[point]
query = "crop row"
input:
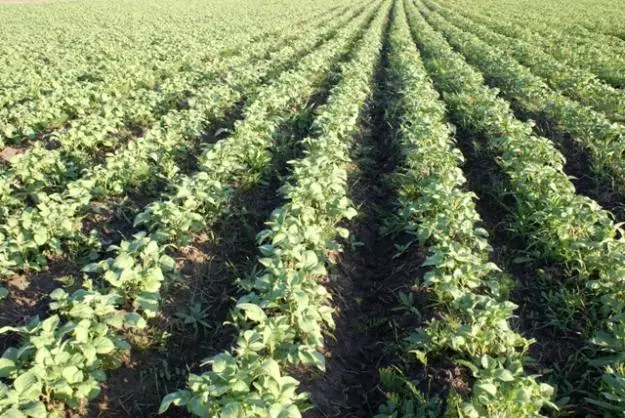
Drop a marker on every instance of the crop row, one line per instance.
(82, 91)
(472, 323)
(579, 85)
(83, 143)
(282, 318)
(557, 224)
(603, 139)
(63, 357)
(568, 25)
(596, 55)
(54, 225)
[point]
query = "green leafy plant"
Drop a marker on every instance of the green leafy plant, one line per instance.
(194, 315)
(282, 318)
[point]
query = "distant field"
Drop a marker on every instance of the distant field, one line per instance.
(24, 1)
(286, 208)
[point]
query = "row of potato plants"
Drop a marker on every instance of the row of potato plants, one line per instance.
(575, 34)
(28, 230)
(42, 170)
(63, 358)
(472, 324)
(557, 224)
(596, 55)
(567, 26)
(108, 47)
(137, 105)
(50, 114)
(578, 84)
(181, 212)
(240, 161)
(54, 225)
(97, 88)
(30, 235)
(282, 318)
(604, 140)
(36, 61)
(548, 33)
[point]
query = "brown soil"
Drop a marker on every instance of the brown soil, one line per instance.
(8, 152)
(28, 295)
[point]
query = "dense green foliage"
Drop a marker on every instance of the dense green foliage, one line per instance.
(132, 133)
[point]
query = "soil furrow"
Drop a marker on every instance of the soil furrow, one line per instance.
(366, 280)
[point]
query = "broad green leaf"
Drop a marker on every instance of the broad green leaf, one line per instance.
(104, 345)
(35, 410)
(24, 381)
(72, 374)
(6, 366)
(124, 261)
(232, 410)
(253, 312)
(177, 398)
(486, 387)
(272, 368)
(504, 375)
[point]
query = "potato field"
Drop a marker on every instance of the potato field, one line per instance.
(306, 208)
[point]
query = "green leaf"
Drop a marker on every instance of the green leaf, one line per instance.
(176, 398)
(13, 413)
(487, 362)
(123, 261)
(40, 236)
(72, 374)
(312, 358)
(8, 131)
(278, 238)
(134, 320)
(290, 411)
(504, 375)
(24, 381)
(82, 331)
(239, 387)
(148, 302)
(220, 362)
(309, 259)
(90, 354)
(104, 345)
(89, 389)
(316, 190)
(6, 367)
(167, 263)
(253, 312)
(92, 268)
(434, 260)
(231, 410)
(35, 410)
(489, 388)
(350, 213)
(272, 368)
(524, 395)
